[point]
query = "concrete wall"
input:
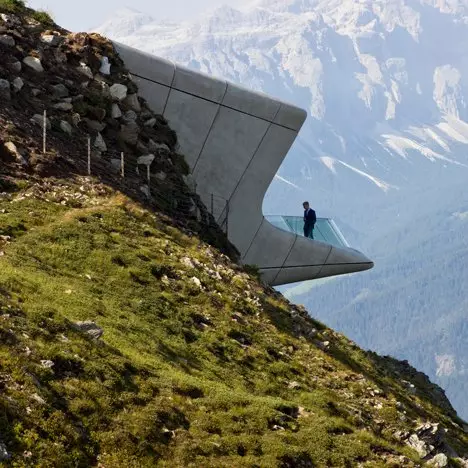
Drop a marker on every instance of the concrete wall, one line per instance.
(234, 141)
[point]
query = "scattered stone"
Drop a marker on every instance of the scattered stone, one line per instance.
(129, 133)
(90, 328)
(38, 399)
(187, 262)
(85, 70)
(162, 176)
(150, 123)
(35, 92)
(18, 84)
(52, 40)
(16, 67)
(294, 385)
(439, 461)
(118, 92)
(105, 66)
(145, 189)
(132, 101)
(13, 150)
(76, 119)
(66, 127)
(5, 89)
(130, 116)
(146, 160)
(64, 106)
(60, 91)
(39, 120)
(100, 144)
(194, 280)
(7, 40)
(94, 125)
(47, 364)
(34, 63)
(4, 455)
(116, 112)
(156, 147)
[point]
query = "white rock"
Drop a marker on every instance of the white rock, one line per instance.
(150, 123)
(187, 262)
(85, 70)
(13, 150)
(118, 92)
(100, 144)
(439, 461)
(34, 63)
(194, 280)
(18, 84)
(52, 39)
(146, 160)
(105, 66)
(116, 112)
(7, 40)
(4, 455)
(47, 364)
(66, 127)
(90, 328)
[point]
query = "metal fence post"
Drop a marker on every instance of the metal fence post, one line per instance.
(44, 132)
(89, 155)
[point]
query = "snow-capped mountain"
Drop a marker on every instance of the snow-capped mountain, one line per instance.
(384, 151)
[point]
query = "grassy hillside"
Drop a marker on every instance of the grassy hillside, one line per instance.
(199, 364)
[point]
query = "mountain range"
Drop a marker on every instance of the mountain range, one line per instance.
(384, 152)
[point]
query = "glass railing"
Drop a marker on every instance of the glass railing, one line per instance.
(325, 228)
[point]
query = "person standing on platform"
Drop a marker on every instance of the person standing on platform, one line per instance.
(309, 220)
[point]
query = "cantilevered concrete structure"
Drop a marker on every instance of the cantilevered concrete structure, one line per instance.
(235, 140)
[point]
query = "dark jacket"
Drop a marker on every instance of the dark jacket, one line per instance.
(310, 217)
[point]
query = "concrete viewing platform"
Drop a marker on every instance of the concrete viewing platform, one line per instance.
(234, 141)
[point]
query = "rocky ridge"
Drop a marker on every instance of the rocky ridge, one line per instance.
(83, 86)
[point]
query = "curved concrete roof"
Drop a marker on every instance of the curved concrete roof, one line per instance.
(234, 141)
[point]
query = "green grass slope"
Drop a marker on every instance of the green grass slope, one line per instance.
(199, 364)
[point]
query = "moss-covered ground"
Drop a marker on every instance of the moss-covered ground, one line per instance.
(199, 364)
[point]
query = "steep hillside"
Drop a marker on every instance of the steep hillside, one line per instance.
(384, 150)
(127, 337)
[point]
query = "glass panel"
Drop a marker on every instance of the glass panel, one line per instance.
(325, 230)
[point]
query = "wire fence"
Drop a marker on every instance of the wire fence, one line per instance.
(166, 190)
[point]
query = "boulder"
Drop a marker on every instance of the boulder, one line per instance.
(7, 40)
(64, 106)
(105, 66)
(85, 70)
(18, 84)
(100, 144)
(4, 455)
(34, 63)
(116, 112)
(14, 151)
(132, 102)
(52, 39)
(130, 116)
(16, 66)
(90, 328)
(60, 91)
(150, 123)
(39, 120)
(129, 133)
(94, 125)
(118, 92)
(157, 147)
(439, 461)
(66, 127)
(5, 89)
(146, 160)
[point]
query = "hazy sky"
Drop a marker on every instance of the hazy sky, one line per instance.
(86, 14)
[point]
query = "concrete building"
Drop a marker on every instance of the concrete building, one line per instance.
(234, 141)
